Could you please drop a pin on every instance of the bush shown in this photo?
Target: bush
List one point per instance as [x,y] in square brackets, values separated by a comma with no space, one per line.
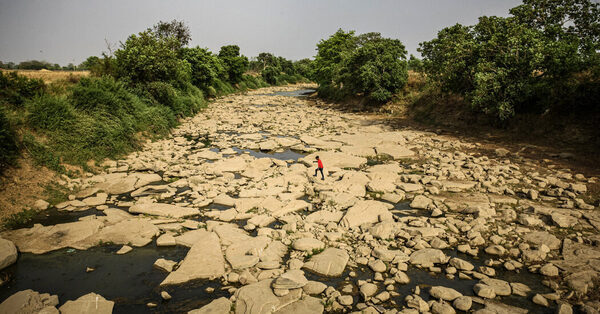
[270,75]
[9,150]
[16,89]
[205,66]
[235,64]
[104,94]
[49,113]
[42,154]
[527,62]
[145,58]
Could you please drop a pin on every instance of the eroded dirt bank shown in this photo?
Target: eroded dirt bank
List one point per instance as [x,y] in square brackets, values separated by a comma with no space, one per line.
[227,215]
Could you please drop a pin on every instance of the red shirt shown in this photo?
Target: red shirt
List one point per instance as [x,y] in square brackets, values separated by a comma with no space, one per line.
[319,163]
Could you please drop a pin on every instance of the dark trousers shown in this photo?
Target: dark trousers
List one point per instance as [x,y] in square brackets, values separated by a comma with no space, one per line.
[320,169]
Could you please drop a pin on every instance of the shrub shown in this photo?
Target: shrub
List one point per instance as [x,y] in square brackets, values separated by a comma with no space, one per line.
[42,154]
[235,64]
[9,150]
[16,89]
[145,58]
[270,75]
[49,113]
[205,66]
[104,94]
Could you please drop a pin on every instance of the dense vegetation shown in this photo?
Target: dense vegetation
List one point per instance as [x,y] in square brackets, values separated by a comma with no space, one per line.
[544,56]
[137,92]
[367,64]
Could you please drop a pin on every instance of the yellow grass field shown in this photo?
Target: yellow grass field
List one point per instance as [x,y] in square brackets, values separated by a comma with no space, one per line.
[50,76]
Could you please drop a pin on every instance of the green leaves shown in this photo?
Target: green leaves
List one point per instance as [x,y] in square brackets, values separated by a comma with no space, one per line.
[367,64]
[235,64]
[508,65]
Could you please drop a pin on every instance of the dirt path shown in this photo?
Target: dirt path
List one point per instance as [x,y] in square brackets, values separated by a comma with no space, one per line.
[403,219]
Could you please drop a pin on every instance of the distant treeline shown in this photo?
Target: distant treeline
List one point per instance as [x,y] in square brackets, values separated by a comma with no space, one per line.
[137,92]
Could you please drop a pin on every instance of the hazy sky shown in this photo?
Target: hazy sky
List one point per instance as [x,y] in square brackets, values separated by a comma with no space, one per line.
[63,31]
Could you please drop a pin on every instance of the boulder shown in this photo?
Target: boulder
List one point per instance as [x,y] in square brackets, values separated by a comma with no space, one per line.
[305,305]
[367,212]
[444,293]
[331,262]
[308,244]
[165,210]
[428,257]
[8,253]
[28,301]
[421,202]
[332,159]
[393,150]
[42,239]
[542,237]
[259,298]
[246,253]
[221,305]
[89,303]
[292,279]
[203,261]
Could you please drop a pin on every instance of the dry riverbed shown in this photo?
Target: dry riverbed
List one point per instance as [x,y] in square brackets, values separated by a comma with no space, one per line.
[226,216]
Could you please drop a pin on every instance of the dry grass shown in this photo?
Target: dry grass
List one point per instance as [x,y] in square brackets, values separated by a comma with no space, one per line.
[51,76]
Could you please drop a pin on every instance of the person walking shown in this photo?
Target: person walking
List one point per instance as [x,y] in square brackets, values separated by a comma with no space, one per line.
[319,168]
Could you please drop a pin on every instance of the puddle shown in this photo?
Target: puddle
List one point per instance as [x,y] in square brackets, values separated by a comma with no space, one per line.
[53,216]
[285,155]
[295,93]
[130,280]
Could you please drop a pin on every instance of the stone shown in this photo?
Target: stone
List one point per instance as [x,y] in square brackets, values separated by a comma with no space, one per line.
[89,303]
[519,289]
[164,210]
[259,298]
[164,264]
[124,250]
[224,199]
[28,301]
[333,159]
[366,212]
[500,287]
[484,291]
[564,308]
[308,244]
[41,205]
[346,300]
[549,270]
[203,261]
[8,253]
[377,266]
[421,202]
[305,305]
[292,279]
[244,254]
[495,250]
[442,308]
[395,151]
[368,290]
[99,199]
[221,305]
[463,303]
[314,287]
[428,257]
[165,295]
[540,300]
[166,240]
[444,293]
[331,262]
[564,221]
[542,237]
[42,239]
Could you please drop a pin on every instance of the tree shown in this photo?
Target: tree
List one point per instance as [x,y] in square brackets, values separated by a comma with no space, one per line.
[267,59]
[235,64]
[377,68]
[146,57]
[89,63]
[330,54]
[174,29]
[415,64]
[206,67]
